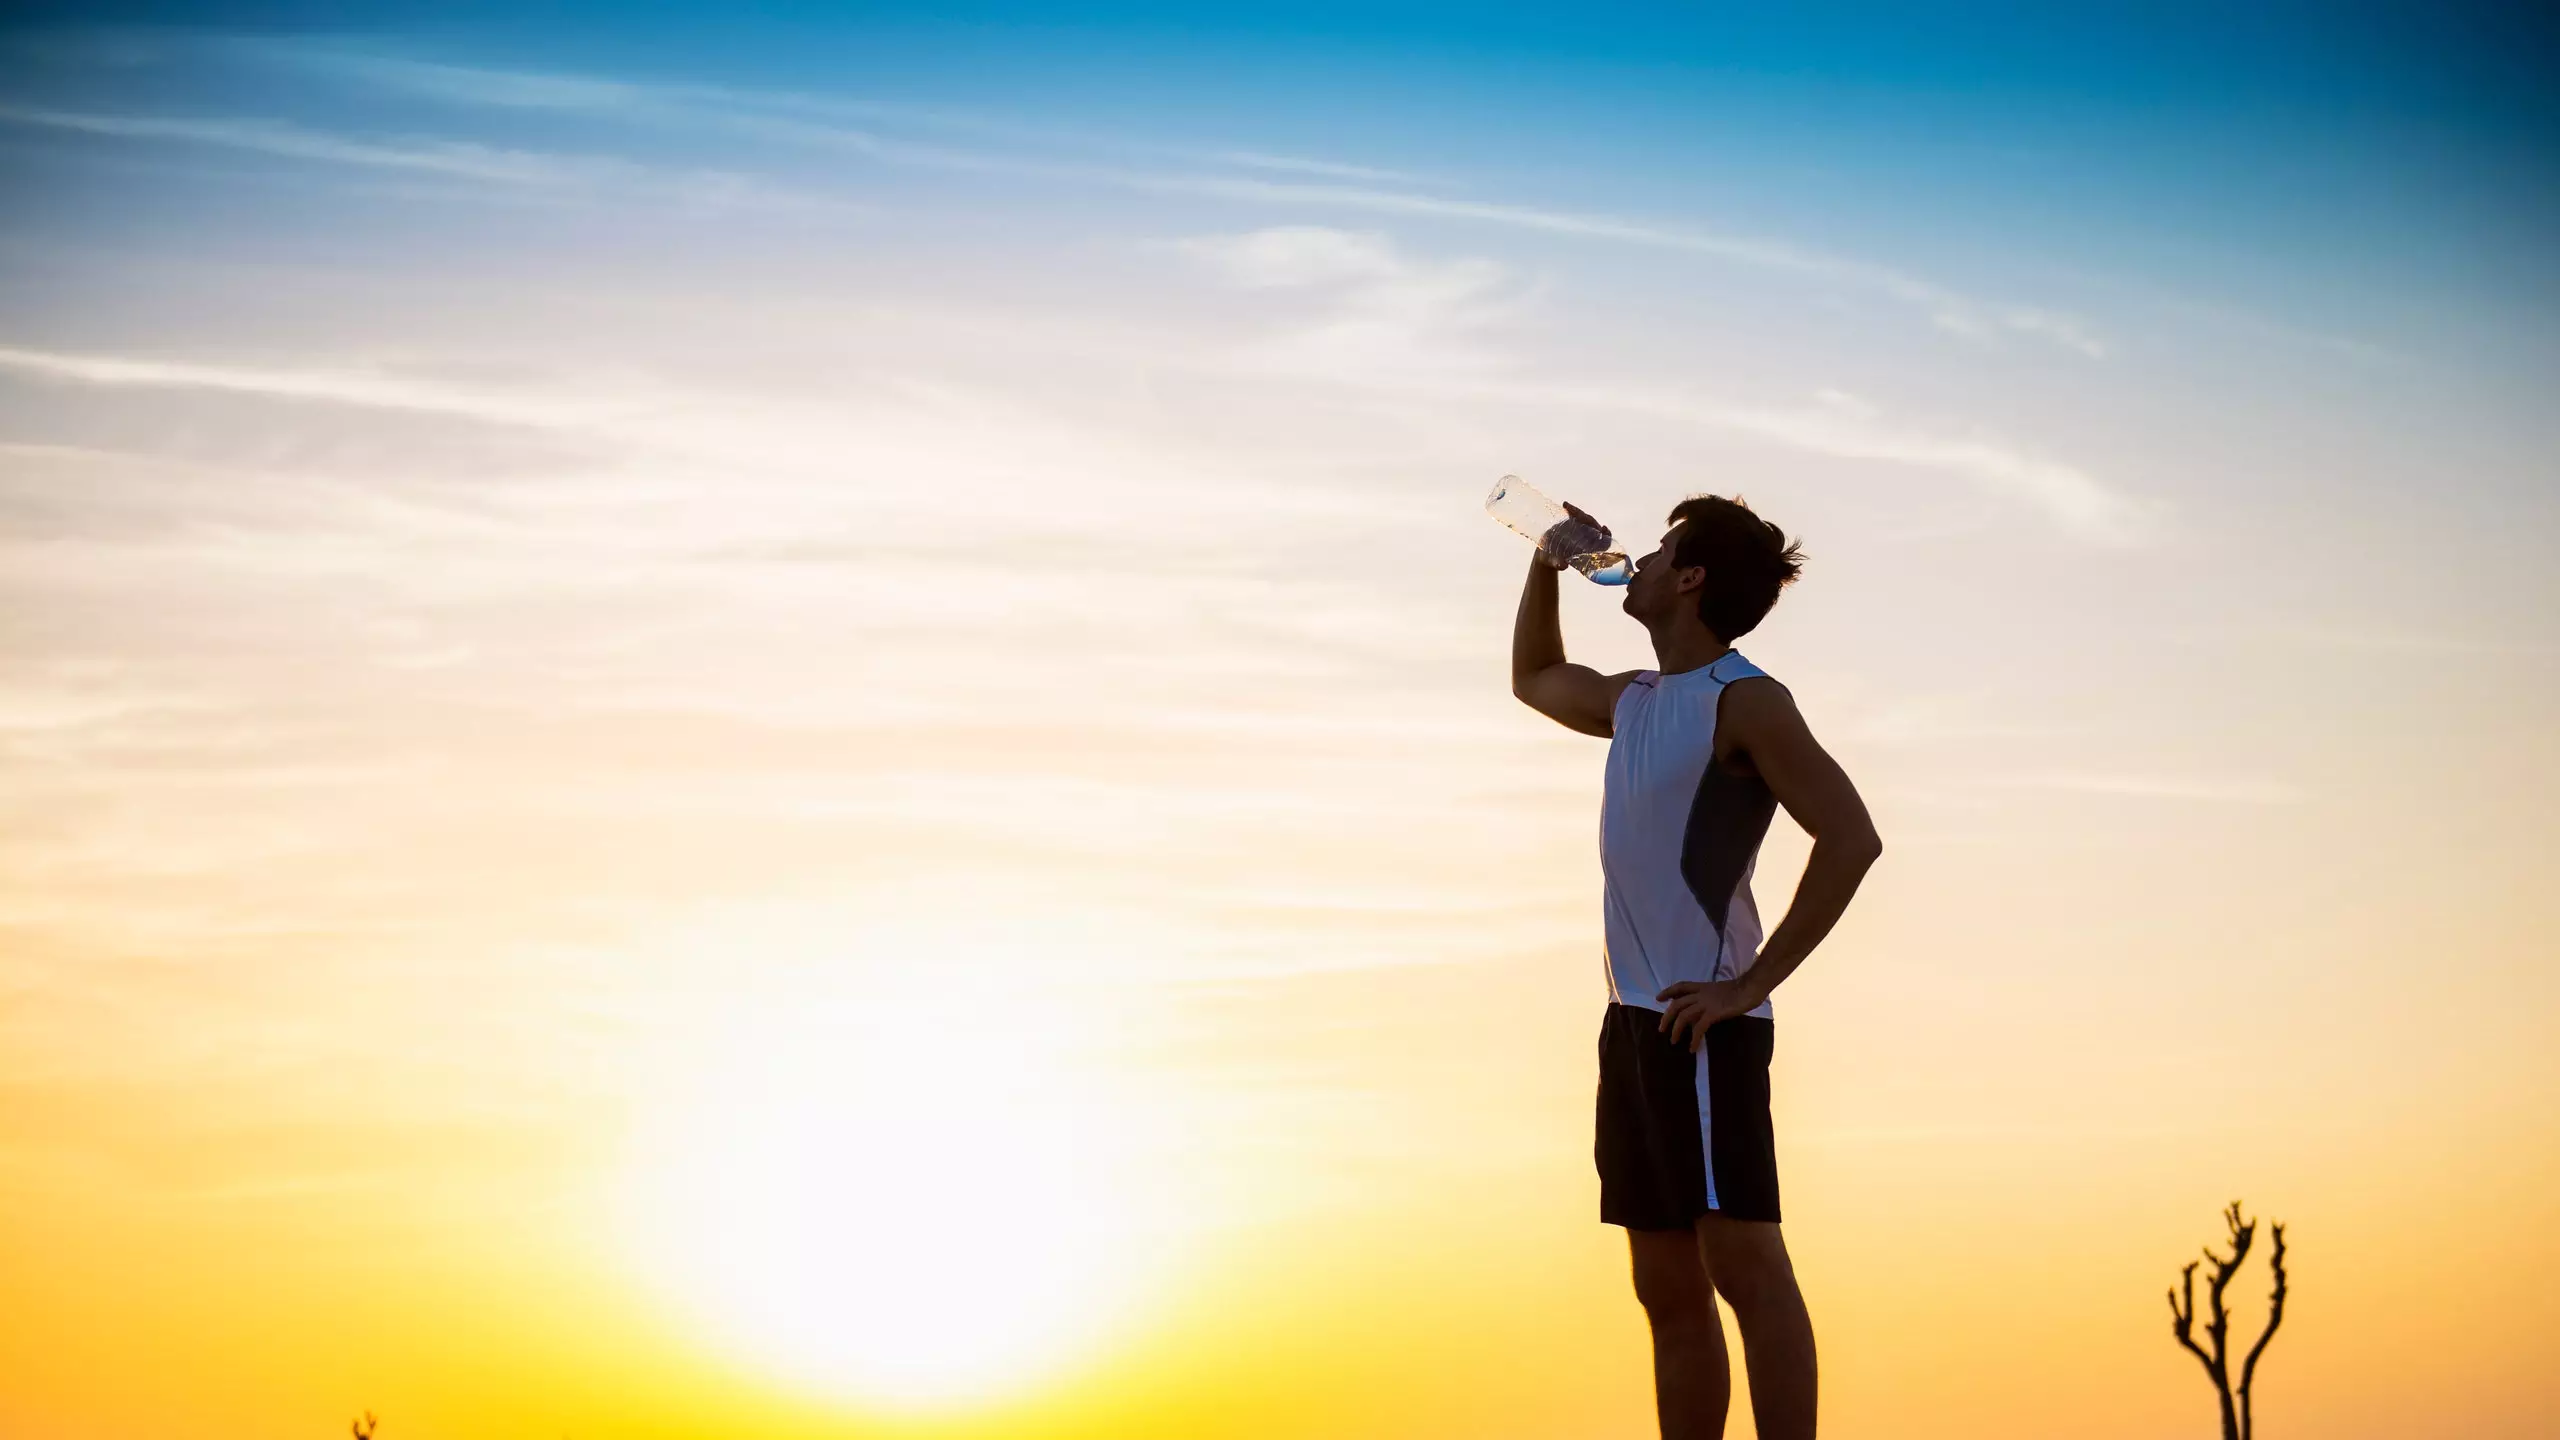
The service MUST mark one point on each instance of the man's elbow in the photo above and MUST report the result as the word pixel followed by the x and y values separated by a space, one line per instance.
pixel 1859 847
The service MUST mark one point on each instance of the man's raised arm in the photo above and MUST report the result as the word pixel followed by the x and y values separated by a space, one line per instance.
pixel 1574 696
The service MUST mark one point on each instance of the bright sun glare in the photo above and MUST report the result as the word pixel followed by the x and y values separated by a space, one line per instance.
pixel 898 1196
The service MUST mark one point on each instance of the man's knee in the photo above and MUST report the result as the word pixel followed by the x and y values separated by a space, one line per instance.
pixel 1671 1281
pixel 1746 1260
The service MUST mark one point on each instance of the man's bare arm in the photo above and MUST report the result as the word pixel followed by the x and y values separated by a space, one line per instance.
pixel 1766 726
pixel 1817 793
pixel 1574 696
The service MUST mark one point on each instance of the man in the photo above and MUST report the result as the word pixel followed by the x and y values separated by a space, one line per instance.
pixel 1701 751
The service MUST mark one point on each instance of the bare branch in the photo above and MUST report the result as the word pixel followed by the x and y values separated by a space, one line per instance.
pixel 2242 1232
pixel 2183 1316
pixel 2217 1324
pixel 2215 1353
pixel 2275 1317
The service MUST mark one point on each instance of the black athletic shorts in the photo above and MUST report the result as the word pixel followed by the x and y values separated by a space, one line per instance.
pixel 1683 1135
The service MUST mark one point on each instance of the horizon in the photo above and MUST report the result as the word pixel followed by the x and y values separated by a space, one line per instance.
pixel 794 724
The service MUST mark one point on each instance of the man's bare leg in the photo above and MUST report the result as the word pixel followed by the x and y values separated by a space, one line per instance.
pixel 1691 1384
pixel 1747 1261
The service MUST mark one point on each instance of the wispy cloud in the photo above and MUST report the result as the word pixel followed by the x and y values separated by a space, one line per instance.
pixel 455 84
pixel 464 161
pixel 1957 313
pixel 1392 323
pixel 1837 424
pixel 821 120
pixel 1382 309
pixel 488 165
pixel 1303 255
pixel 1392 320
pixel 1328 168
pixel 342 387
pixel 2074 499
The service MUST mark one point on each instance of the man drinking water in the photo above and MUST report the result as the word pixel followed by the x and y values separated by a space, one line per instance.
pixel 1702 750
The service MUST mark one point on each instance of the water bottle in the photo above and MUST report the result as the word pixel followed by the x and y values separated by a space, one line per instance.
pixel 1583 545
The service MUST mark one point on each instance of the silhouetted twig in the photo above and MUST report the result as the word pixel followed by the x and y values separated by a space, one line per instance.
pixel 363 1427
pixel 2275 1317
pixel 2214 1355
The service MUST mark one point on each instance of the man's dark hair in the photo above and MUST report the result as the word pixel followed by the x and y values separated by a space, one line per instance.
pixel 1747 560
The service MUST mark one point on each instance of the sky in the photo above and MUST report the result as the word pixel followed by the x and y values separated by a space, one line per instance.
pixel 790 722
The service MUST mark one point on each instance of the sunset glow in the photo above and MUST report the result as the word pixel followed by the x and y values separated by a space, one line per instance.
pixel 900 1196
pixel 779 724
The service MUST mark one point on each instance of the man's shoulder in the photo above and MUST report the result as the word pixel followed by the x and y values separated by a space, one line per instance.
pixel 1753 699
pixel 1759 688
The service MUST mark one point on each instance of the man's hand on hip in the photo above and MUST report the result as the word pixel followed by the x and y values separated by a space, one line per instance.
pixel 1693 1005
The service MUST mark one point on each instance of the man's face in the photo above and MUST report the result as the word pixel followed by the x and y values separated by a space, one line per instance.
pixel 1655 590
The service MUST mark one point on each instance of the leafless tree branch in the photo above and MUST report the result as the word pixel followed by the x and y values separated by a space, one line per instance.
pixel 2182 1315
pixel 2275 1317
pixel 2215 1351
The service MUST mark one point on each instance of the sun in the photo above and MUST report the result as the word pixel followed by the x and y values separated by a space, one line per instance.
pixel 894 1196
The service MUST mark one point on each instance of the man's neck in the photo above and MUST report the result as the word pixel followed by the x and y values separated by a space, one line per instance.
pixel 1678 649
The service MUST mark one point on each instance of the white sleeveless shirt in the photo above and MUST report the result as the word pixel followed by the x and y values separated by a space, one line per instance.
pixel 1679 838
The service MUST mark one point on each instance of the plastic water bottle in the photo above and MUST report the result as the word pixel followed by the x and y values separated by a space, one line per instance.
pixel 1583 545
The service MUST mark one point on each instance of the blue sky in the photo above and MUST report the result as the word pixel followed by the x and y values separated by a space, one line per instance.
pixel 519 525
pixel 2293 152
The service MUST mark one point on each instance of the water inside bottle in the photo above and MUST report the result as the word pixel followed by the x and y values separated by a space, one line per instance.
pixel 1585 545
pixel 1608 567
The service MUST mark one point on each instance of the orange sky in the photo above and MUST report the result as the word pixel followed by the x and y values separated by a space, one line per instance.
pixel 785 812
